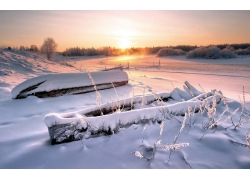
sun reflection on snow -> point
(125, 58)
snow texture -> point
(214, 136)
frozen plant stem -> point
(143, 132)
(248, 140)
(190, 117)
(119, 104)
(176, 137)
(230, 117)
(242, 104)
(172, 84)
(132, 100)
(203, 91)
(216, 122)
(98, 96)
(142, 101)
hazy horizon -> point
(124, 28)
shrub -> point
(199, 52)
(21, 48)
(170, 52)
(227, 53)
(34, 48)
(211, 52)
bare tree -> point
(49, 47)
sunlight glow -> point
(124, 37)
(125, 33)
(124, 43)
(123, 29)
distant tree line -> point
(209, 52)
(48, 47)
(214, 52)
(32, 48)
(112, 51)
(235, 46)
(108, 51)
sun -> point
(124, 37)
(124, 43)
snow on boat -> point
(108, 118)
(53, 85)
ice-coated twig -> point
(241, 144)
(143, 98)
(219, 119)
(186, 161)
(98, 95)
(242, 102)
(132, 100)
(143, 132)
(248, 140)
(172, 146)
(176, 137)
(118, 105)
(230, 117)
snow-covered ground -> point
(25, 141)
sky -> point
(123, 28)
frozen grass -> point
(98, 96)
(212, 123)
(207, 111)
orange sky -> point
(117, 28)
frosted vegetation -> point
(170, 52)
(223, 51)
(212, 52)
(208, 52)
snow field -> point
(25, 142)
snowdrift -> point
(109, 117)
(53, 85)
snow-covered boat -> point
(108, 118)
(53, 85)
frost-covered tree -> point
(49, 47)
(243, 51)
(230, 48)
(34, 48)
